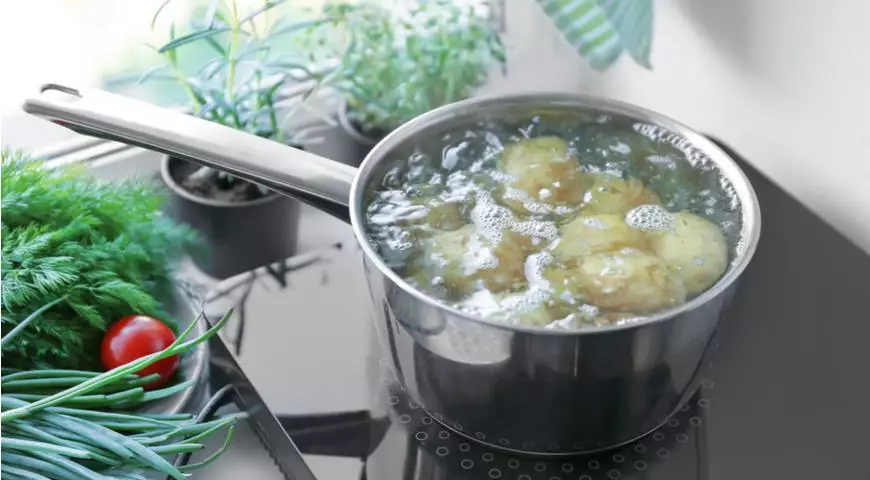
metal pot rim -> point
(751, 212)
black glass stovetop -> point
(786, 394)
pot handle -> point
(317, 181)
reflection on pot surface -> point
(416, 445)
(550, 394)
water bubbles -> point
(419, 169)
(451, 154)
(492, 220)
(478, 257)
(620, 148)
(663, 161)
(511, 229)
(493, 141)
(650, 218)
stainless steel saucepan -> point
(519, 388)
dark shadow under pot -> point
(243, 229)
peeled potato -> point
(542, 172)
(695, 249)
(459, 259)
(628, 279)
(611, 194)
(589, 234)
(443, 215)
(612, 318)
(538, 316)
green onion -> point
(33, 316)
(60, 461)
(112, 375)
(74, 431)
(36, 465)
(36, 446)
(229, 438)
(9, 470)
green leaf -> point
(216, 46)
(22, 473)
(34, 446)
(601, 29)
(633, 21)
(295, 27)
(33, 316)
(249, 52)
(266, 6)
(289, 66)
(81, 470)
(211, 68)
(227, 441)
(155, 72)
(157, 13)
(30, 463)
(171, 55)
(100, 245)
(192, 37)
(210, 13)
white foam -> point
(491, 220)
(650, 218)
(621, 148)
(450, 155)
(465, 171)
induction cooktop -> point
(785, 393)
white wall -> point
(786, 82)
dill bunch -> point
(105, 246)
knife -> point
(225, 370)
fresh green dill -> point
(103, 246)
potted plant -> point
(393, 66)
(245, 225)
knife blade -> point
(225, 370)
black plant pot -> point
(239, 236)
(351, 145)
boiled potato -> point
(611, 194)
(613, 318)
(541, 172)
(589, 234)
(442, 215)
(695, 249)
(628, 279)
(520, 308)
(463, 260)
(537, 316)
(526, 308)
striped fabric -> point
(601, 29)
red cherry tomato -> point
(136, 336)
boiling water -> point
(454, 182)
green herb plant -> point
(103, 248)
(241, 86)
(76, 424)
(394, 66)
